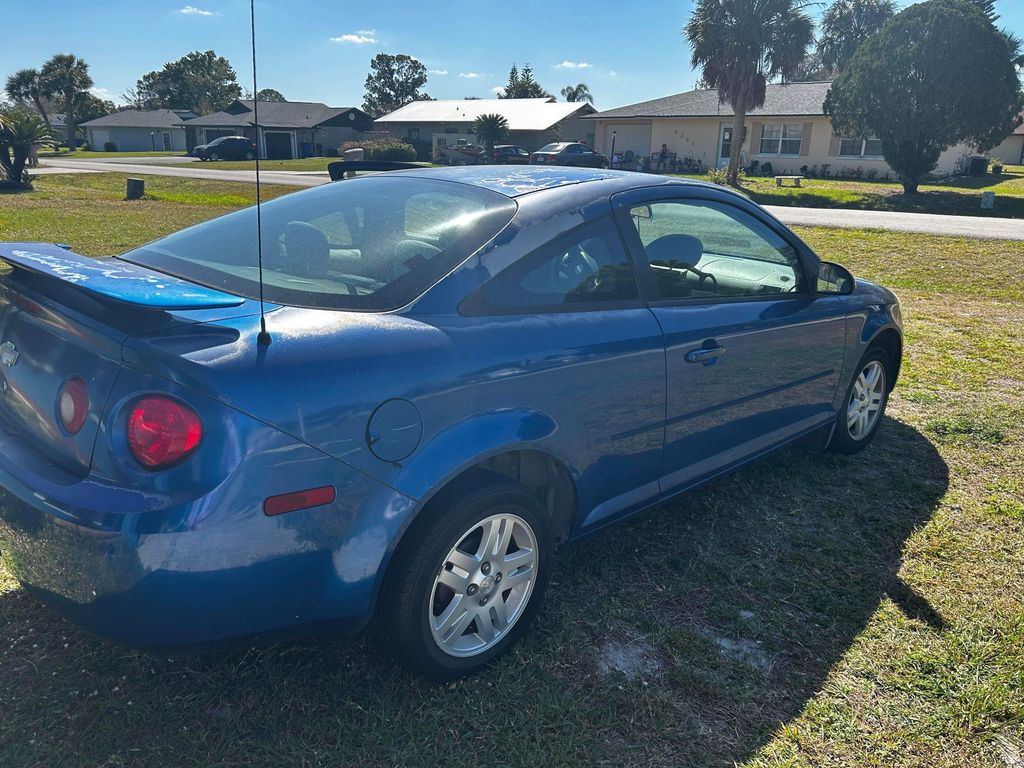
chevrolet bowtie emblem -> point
(8, 354)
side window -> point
(702, 249)
(589, 265)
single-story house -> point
(139, 130)
(288, 129)
(790, 131)
(1011, 150)
(532, 122)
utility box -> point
(988, 201)
(135, 190)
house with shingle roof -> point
(139, 130)
(288, 129)
(790, 131)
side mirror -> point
(834, 279)
(642, 212)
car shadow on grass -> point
(687, 635)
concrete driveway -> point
(925, 223)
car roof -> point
(514, 181)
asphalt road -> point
(925, 223)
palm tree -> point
(742, 44)
(490, 129)
(25, 85)
(578, 92)
(19, 130)
(67, 75)
(848, 23)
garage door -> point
(629, 137)
(279, 145)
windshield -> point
(372, 243)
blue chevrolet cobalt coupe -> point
(462, 369)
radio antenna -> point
(263, 337)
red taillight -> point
(291, 502)
(162, 432)
(73, 405)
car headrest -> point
(686, 249)
(306, 249)
(408, 249)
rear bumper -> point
(208, 572)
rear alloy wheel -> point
(214, 157)
(249, 156)
(467, 580)
(864, 404)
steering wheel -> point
(572, 269)
(700, 274)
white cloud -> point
(613, 73)
(470, 75)
(191, 10)
(367, 32)
(573, 65)
(359, 38)
(102, 93)
(438, 71)
(498, 89)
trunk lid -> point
(65, 316)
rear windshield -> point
(372, 243)
(551, 147)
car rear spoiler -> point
(113, 280)
(340, 168)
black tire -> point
(842, 440)
(406, 598)
(214, 157)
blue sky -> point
(319, 50)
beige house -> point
(532, 123)
(790, 131)
(1011, 150)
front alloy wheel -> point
(864, 404)
(866, 398)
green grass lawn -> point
(805, 611)
(302, 164)
(961, 196)
(89, 211)
(85, 154)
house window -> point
(851, 146)
(781, 139)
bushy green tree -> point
(393, 82)
(200, 81)
(66, 75)
(936, 74)
(739, 45)
(269, 94)
(490, 129)
(848, 23)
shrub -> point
(721, 176)
(109, 146)
(382, 149)
(767, 169)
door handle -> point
(706, 355)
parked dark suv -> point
(569, 153)
(226, 148)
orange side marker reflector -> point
(291, 502)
